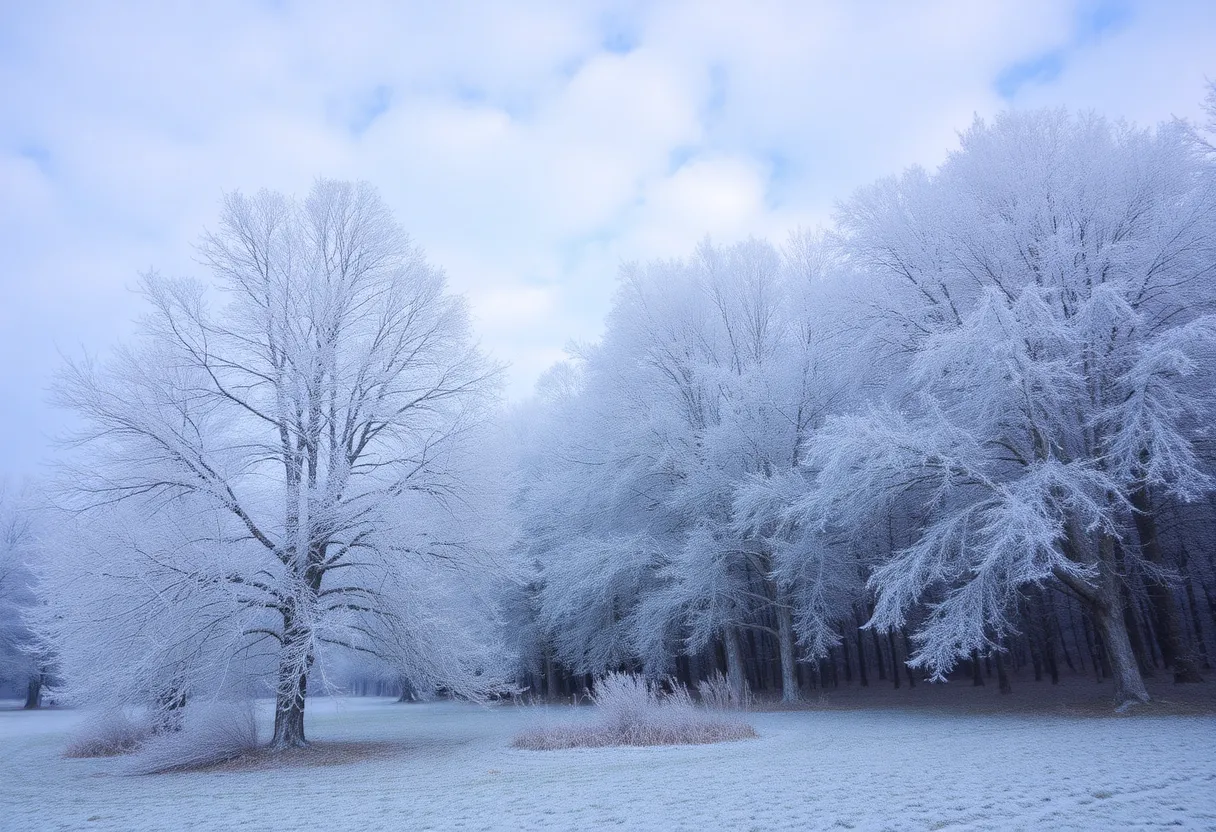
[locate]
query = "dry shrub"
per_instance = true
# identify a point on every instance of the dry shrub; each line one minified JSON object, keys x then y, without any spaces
{"x":108,"y":734}
{"x":212,"y":732}
{"x":631,"y":710}
{"x":717,"y":694}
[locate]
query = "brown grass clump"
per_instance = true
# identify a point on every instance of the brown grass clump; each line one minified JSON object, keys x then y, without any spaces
{"x":315,"y":754}
{"x":633,"y":711}
{"x":107,"y":734}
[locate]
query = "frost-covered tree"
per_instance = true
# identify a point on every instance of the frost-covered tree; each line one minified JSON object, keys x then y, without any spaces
{"x":145,"y":607}
{"x":1047,"y":297}
{"x":24,"y":660}
{"x":305,"y":413}
{"x":710,"y":375}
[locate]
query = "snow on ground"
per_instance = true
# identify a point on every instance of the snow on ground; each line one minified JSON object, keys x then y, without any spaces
{"x":455,"y":770}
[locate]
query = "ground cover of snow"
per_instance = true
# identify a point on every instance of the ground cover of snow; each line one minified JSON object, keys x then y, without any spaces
{"x":450,"y":766}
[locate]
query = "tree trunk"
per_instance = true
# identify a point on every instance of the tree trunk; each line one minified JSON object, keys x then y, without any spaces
{"x":33,"y":691}
{"x":882,"y":667}
{"x":289,"y":718}
{"x":1129,"y":685}
{"x":1133,"y":634}
{"x":1167,"y":622}
{"x":1001,"y":675}
{"x":977,"y":673}
{"x":734,"y":663}
{"x":1107,"y":613}
{"x":894,"y":657}
{"x":289,"y":701}
{"x":861,"y":656}
{"x":1188,"y":584}
{"x":908,"y":655}
{"x":785,"y":639}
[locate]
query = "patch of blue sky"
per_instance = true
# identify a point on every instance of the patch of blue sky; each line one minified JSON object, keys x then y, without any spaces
{"x":1041,"y":69}
{"x":679,"y":156}
{"x":1092,"y":21}
{"x":39,"y":154}
{"x":715,"y":102}
{"x":369,"y":107}
{"x":619,"y":42}
{"x":620,"y":33}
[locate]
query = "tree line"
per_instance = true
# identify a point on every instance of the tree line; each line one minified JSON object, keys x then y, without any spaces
{"x":970,"y":423}
{"x":964,"y":430}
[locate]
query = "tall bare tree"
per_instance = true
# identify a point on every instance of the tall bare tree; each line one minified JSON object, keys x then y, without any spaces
{"x":315,"y":398}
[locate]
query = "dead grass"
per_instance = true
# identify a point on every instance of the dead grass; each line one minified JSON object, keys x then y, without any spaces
{"x":555,"y":738}
{"x":107,"y":734}
{"x":631,"y":710}
{"x":314,"y":755}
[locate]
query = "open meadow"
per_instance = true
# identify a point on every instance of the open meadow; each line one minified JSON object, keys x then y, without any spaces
{"x":379,"y":765}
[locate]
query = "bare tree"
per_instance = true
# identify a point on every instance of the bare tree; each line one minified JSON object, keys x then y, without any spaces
{"x":316,"y":403}
{"x":23,"y":659}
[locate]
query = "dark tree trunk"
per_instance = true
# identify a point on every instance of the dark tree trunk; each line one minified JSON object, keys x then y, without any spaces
{"x":861,"y":658}
{"x":882,"y":666}
{"x":734,"y":663}
{"x":1133,"y":635}
{"x":844,"y":657}
{"x":1001,"y":675}
{"x":894,"y":657}
{"x":1054,"y":630}
{"x":1095,"y":653}
{"x":33,"y":691}
{"x":289,"y":705}
{"x":1047,"y":643}
{"x":1106,"y":608}
{"x":1032,"y":615}
{"x":1166,"y":620}
{"x":289,"y":721}
{"x":977,"y":673}
{"x":1188,"y":584}
{"x":908,"y":655}
{"x":785,"y":639}
{"x":1076,"y":642}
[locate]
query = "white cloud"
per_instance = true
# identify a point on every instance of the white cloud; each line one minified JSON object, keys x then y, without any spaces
{"x":521,"y":145}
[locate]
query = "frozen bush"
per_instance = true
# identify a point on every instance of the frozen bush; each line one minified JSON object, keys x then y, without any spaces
{"x":717,"y":694}
{"x":630,"y":710}
{"x":108,"y":734}
{"x":211,"y":733}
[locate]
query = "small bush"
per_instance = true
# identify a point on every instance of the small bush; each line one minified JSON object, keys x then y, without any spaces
{"x":717,"y":694}
{"x":108,"y":734}
{"x":633,"y":711}
{"x":211,"y":733}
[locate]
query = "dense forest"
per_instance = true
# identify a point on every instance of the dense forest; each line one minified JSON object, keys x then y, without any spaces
{"x":963,"y":432}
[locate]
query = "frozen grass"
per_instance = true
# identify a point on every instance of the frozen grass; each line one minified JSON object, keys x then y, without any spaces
{"x":446,"y":766}
{"x":717,"y":694}
{"x":107,"y":734}
{"x":630,"y":710}
{"x":212,"y":733}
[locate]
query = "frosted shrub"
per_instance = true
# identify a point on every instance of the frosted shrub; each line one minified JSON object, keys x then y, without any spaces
{"x":624,"y":701}
{"x":108,"y":734}
{"x":630,"y":710}
{"x":211,"y":733}
{"x":717,"y":694}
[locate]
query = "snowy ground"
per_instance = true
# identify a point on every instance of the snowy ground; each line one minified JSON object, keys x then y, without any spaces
{"x":450,"y":767}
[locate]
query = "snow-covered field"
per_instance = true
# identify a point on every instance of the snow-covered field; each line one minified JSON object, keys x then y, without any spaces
{"x":451,"y":767}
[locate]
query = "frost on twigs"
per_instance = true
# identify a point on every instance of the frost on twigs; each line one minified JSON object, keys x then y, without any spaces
{"x":212,"y":733}
{"x":718,"y":694}
{"x":108,"y":734}
{"x":631,"y":710}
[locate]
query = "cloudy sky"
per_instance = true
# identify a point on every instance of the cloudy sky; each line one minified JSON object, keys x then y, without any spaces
{"x":530,"y":148}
